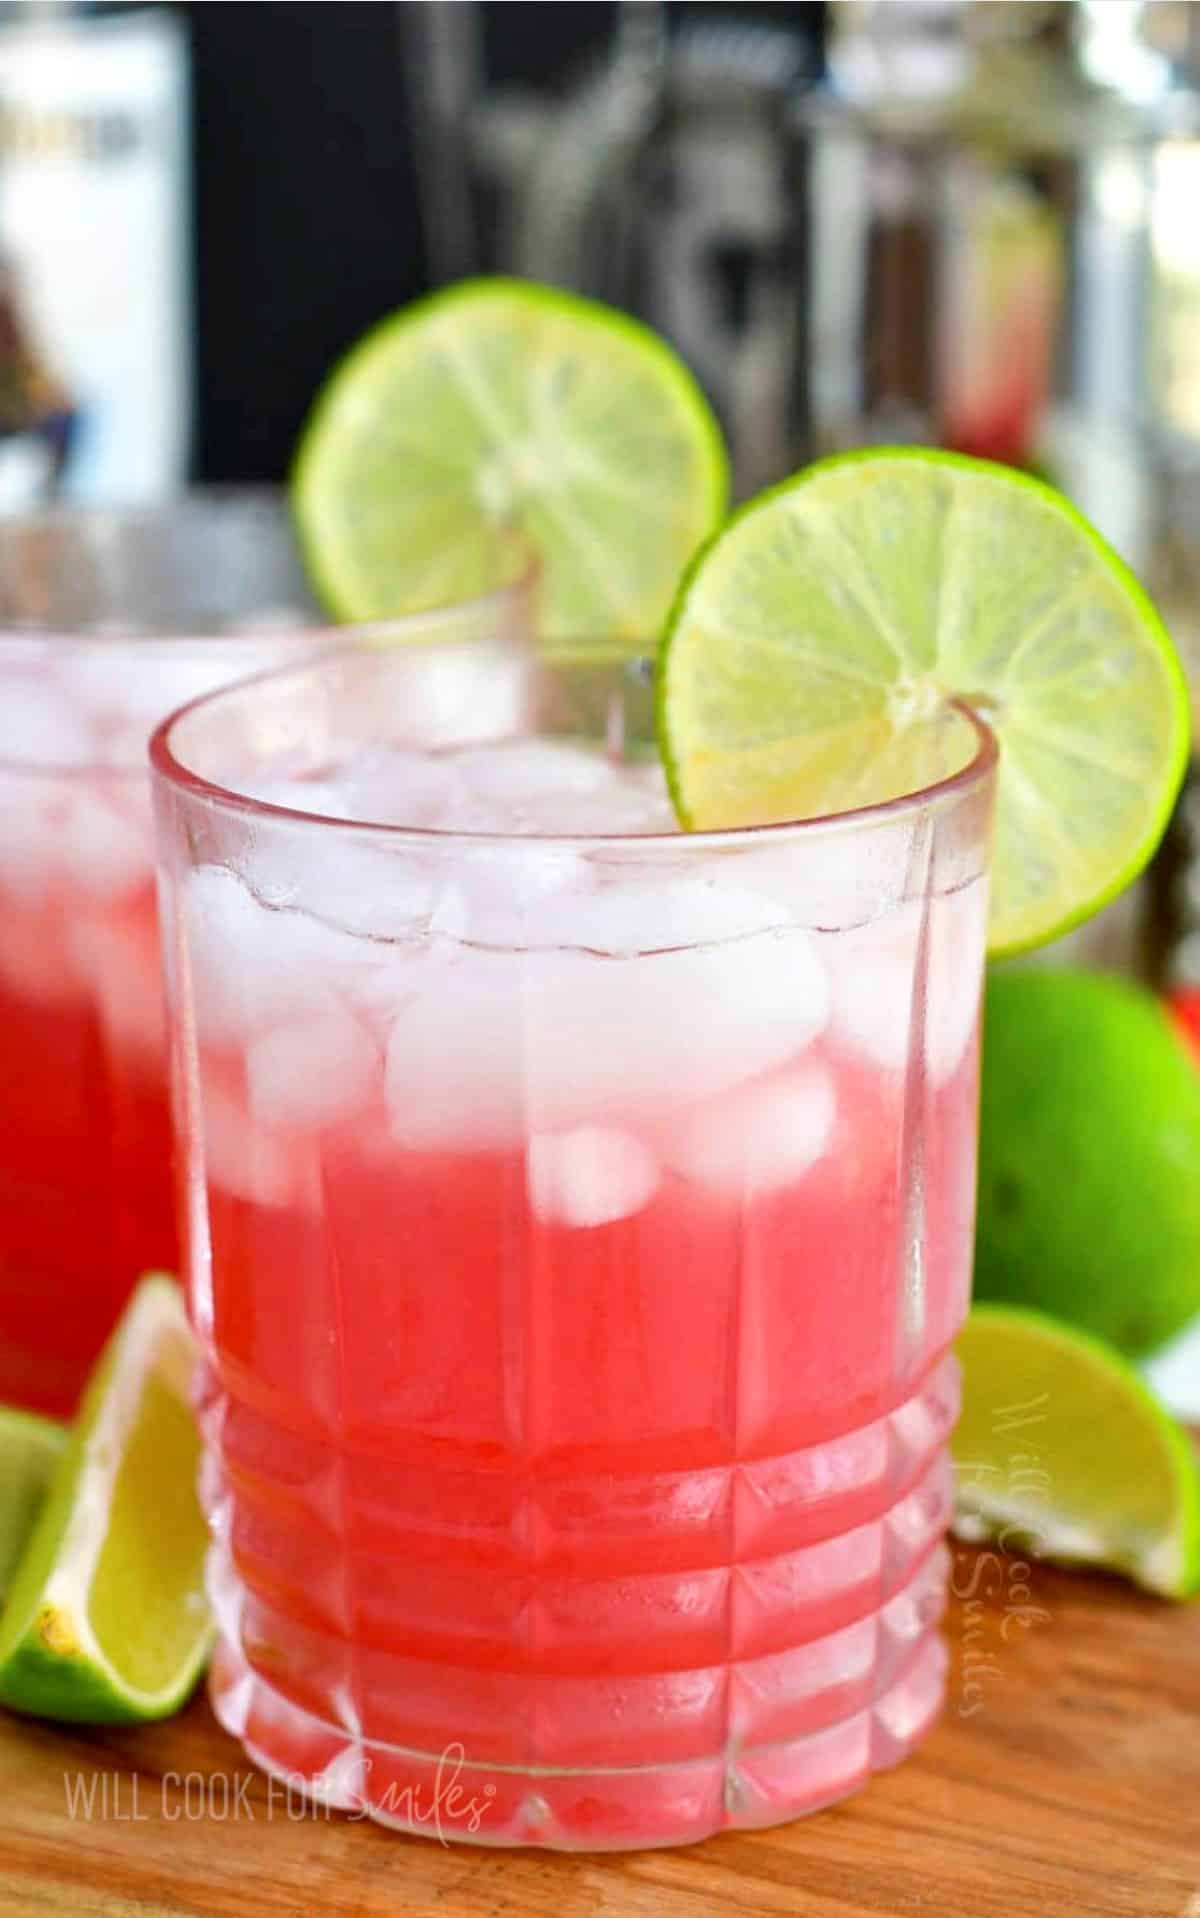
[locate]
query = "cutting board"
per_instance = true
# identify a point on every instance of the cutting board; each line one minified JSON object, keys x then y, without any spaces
{"x":1063,"y":1779}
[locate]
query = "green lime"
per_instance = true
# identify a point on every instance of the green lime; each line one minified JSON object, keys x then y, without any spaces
{"x":1062,"y":1453}
{"x":499,"y":406}
{"x":1089,"y":1156}
{"x":106,"y":1620}
{"x":29,"y":1450}
{"x":816,"y":640}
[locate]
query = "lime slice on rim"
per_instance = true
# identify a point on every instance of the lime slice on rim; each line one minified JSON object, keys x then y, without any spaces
{"x":1063,"y":1453}
{"x":30,"y":1447}
{"x":495,"y":406}
{"x":816,"y":641}
{"x":106,"y":1620}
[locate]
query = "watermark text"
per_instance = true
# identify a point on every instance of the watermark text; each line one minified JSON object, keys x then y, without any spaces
{"x":438,"y":1802}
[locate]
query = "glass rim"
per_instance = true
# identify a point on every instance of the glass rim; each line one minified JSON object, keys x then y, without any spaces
{"x":315,"y":623}
{"x":174,"y":772}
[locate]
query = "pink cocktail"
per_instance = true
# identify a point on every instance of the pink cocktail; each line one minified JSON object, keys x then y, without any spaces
{"x":107,"y":622}
{"x":579,"y":1218}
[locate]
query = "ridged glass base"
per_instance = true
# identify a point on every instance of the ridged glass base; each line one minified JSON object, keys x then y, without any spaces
{"x":825,"y":1665}
{"x":887,"y":1670}
{"x":707,"y":1655}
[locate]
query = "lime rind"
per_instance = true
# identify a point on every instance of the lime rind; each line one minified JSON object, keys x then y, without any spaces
{"x":1119,"y":1432}
{"x":30,"y":1447}
{"x":52,"y":1662}
{"x":1089,"y":1109}
{"x":442,"y":429}
{"x":832,"y":614}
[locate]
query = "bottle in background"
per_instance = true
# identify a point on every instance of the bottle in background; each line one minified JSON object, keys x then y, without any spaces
{"x":95,"y":312}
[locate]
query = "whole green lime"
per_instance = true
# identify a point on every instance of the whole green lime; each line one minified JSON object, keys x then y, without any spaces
{"x":1089,"y":1156}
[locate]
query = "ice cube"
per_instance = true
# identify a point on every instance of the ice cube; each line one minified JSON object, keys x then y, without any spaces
{"x":311,"y":1072}
{"x":641,"y":911}
{"x":875,"y":987}
{"x":672,"y":1026}
{"x":253,"y":966}
{"x":389,"y":786}
{"x":142,"y":681}
{"x":553,"y":786}
{"x":592,"y":1175}
{"x":366,"y":883}
{"x":759,"y":1138}
{"x":375,"y":888}
{"x":32,"y":809}
{"x":831,"y":878}
{"x":33,"y":962}
{"x":513,"y":787}
{"x":119,"y":962}
{"x":247,"y":1161}
{"x":683,"y":988}
{"x":625,"y":809}
{"x":92,"y":831}
{"x":872,"y":973}
{"x":319,"y":793}
{"x":40,"y":725}
{"x":958,"y":934}
{"x":454,"y":1071}
{"x":519,"y":769}
{"x":105,"y":847}
{"x":498,"y":896}
{"x":230,"y":958}
{"x":494,"y":1043}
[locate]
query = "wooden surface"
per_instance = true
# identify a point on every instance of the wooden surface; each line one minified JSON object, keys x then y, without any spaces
{"x":1064,"y":1778}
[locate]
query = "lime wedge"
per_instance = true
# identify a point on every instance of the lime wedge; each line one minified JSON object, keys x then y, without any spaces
{"x":30,"y":1447}
{"x":499,"y":406}
{"x":1062,"y":1453}
{"x":815,"y":643}
{"x":106,"y":1620}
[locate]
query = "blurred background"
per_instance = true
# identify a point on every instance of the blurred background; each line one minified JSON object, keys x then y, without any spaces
{"x":969,"y":222}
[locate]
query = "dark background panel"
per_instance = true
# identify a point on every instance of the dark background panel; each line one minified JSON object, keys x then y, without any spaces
{"x":306,"y":214}
{"x":307,"y":224}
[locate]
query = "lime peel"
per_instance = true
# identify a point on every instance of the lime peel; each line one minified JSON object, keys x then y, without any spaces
{"x":497,"y":405}
{"x":30,"y":1447}
{"x":1106,"y":1476}
{"x":52,"y":1660}
{"x":813,"y":638}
